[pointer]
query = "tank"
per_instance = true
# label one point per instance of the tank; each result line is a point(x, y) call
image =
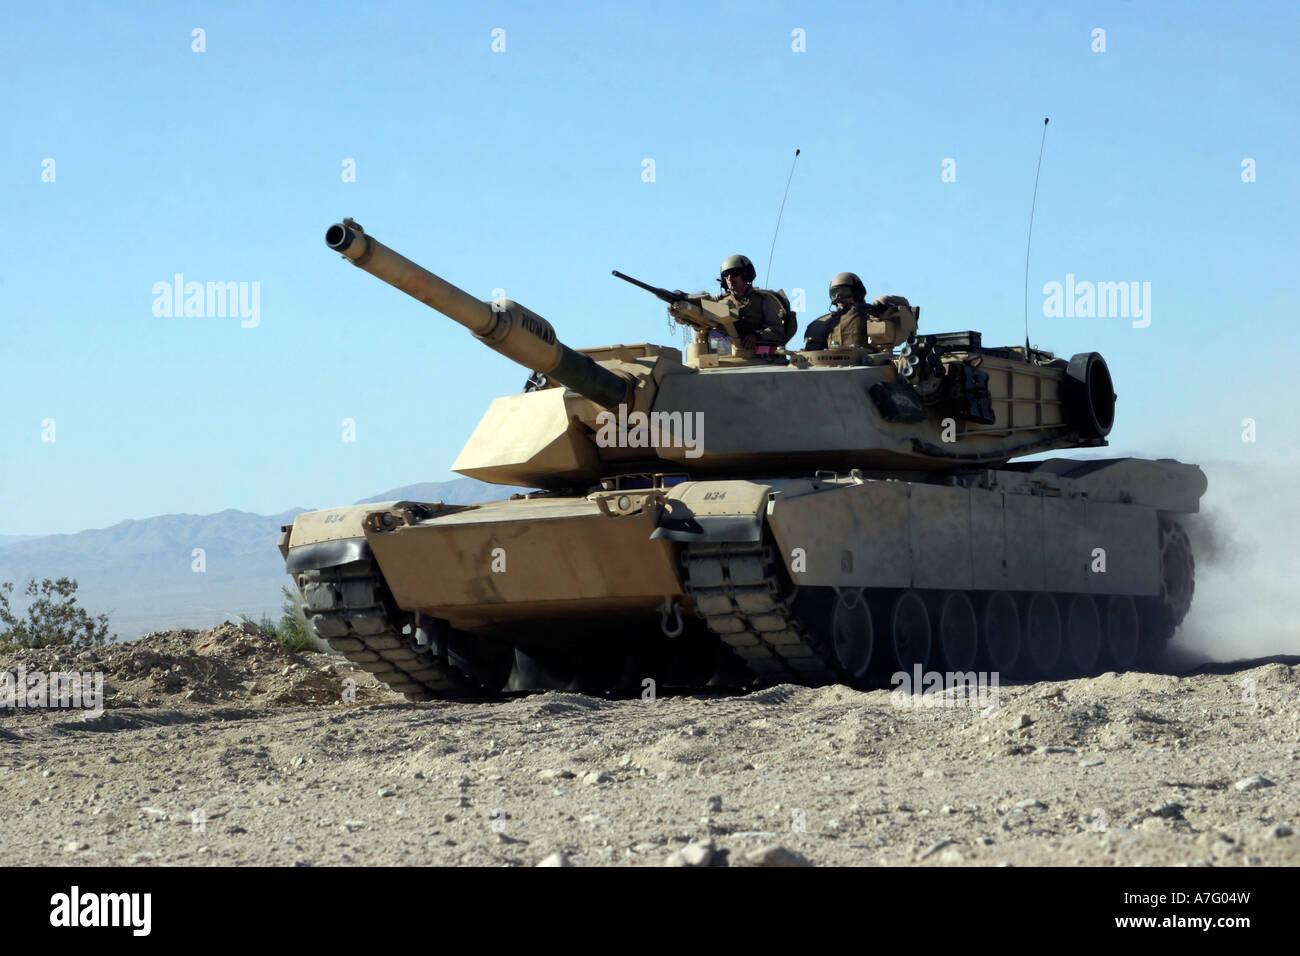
point(725, 518)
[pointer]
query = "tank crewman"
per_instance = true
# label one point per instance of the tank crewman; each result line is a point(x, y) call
point(765, 316)
point(846, 323)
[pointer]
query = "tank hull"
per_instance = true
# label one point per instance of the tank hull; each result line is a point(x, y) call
point(782, 578)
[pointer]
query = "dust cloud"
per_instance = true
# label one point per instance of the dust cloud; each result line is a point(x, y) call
point(1246, 542)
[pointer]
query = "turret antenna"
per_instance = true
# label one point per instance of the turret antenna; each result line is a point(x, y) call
point(771, 251)
point(1028, 242)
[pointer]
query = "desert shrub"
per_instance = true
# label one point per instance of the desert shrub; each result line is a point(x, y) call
point(53, 617)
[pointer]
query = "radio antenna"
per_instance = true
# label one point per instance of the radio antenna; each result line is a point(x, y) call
point(771, 251)
point(1029, 242)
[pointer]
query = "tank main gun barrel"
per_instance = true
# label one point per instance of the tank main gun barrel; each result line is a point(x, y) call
point(506, 327)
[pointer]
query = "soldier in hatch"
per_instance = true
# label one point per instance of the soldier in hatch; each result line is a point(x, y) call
point(846, 324)
point(765, 316)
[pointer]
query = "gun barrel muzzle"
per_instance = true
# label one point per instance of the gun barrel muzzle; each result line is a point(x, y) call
point(370, 254)
point(506, 327)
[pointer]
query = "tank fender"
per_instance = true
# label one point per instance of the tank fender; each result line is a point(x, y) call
point(326, 554)
point(696, 511)
point(328, 538)
point(1164, 483)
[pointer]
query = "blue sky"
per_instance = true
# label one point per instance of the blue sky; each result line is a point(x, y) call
point(523, 170)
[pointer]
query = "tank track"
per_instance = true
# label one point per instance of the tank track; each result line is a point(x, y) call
point(745, 598)
point(351, 609)
point(741, 592)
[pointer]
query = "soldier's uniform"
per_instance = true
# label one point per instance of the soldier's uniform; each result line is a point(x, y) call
point(818, 331)
point(847, 326)
point(851, 329)
point(843, 327)
point(762, 313)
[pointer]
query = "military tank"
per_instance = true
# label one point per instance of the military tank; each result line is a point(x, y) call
point(724, 518)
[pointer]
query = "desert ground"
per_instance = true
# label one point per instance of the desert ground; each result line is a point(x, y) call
point(218, 748)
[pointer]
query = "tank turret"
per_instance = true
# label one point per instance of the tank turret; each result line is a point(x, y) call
point(940, 401)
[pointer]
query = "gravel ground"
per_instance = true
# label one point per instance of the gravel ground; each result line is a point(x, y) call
point(217, 748)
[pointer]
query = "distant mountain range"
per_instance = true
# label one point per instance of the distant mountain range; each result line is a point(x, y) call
point(146, 576)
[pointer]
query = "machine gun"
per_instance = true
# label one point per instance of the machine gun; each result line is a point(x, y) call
point(697, 311)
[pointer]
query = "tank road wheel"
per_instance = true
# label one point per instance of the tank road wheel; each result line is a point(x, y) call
point(958, 632)
point(1123, 634)
point(852, 634)
point(1082, 634)
point(1000, 632)
point(909, 630)
point(1160, 616)
point(1042, 634)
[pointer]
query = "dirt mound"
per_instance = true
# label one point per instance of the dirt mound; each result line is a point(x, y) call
point(227, 663)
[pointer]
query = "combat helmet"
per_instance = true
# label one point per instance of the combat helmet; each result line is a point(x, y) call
point(748, 273)
point(851, 280)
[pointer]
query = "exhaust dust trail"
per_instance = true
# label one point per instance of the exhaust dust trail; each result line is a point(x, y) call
point(1246, 543)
